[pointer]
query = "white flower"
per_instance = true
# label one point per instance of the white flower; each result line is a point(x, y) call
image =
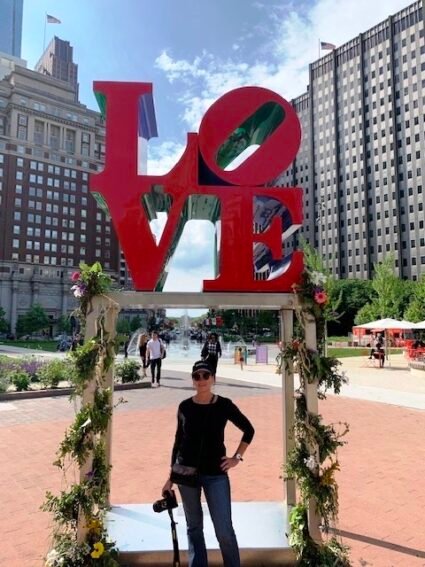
point(311, 463)
point(86, 423)
point(318, 278)
point(53, 558)
point(77, 291)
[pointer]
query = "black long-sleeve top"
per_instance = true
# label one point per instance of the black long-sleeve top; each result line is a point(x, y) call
point(199, 438)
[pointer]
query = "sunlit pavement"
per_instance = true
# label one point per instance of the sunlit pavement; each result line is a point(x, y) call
point(382, 487)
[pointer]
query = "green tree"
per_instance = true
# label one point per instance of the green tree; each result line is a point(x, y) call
point(123, 327)
point(354, 295)
point(367, 313)
point(388, 289)
point(33, 320)
point(135, 323)
point(64, 324)
point(390, 294)
point(4, 325)
point(415, 311)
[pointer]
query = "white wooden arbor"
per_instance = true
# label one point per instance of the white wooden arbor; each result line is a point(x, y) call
point(142, 536)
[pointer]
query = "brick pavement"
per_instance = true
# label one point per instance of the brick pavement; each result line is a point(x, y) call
point(382, 490)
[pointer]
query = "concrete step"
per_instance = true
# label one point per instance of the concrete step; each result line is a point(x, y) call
point(144, 537)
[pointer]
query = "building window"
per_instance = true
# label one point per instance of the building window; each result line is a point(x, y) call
point(22, 127)
point(38, 132)
point(70, 141)
point(54, 139)
point(85, 144)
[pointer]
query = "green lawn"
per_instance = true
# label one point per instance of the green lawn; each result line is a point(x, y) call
point(32, 344)
point(355, 351)
point(337, 339)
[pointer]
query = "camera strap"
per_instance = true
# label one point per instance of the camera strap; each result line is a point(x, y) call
point(176, 557)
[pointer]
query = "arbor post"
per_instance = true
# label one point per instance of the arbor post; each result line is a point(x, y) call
point(312, 402)
point(286, 332)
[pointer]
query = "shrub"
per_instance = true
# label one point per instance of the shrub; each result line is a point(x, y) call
point(128, 371)
point(20, 379)
point(55, 371)
point(33, 367)
point(4, 382)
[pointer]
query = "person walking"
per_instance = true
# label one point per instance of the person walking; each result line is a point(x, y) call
point(199, 442)
point(241, 357)
point(142, 344)
point(155, 352)
point(211, 351)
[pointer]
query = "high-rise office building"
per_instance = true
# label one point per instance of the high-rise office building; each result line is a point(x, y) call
point(57, 62)
point(49, 145)
point(362, 160)
point(11, 26)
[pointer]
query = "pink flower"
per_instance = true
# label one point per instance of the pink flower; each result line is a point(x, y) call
point(75, 276)
point(320, 297)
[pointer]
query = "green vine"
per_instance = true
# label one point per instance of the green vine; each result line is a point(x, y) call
point(81, 509)
point(309, 553)
point(91, 420)
point(313, 462)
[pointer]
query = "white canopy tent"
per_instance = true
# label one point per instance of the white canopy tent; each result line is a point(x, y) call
point(419, 326)
point(383, 325)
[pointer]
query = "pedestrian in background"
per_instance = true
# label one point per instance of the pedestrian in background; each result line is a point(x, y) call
point(143, 345)
point(155, 352)
point(241, 357)
point(211, 352)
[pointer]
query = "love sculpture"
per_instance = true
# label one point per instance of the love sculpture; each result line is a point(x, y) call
point(254, 219)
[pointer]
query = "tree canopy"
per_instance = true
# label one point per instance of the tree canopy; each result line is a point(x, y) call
point(4, 325)
point(33, 320)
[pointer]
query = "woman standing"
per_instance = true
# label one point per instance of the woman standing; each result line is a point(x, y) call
point(199, 443)
point(142, 345)
point(211, 352)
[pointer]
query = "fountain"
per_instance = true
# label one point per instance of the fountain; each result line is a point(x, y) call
point(183, 347)
point(134, 339)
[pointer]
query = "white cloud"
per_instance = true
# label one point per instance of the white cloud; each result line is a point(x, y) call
point(291, 38)
point(194, 253)
point(163, 157)
point(282, 62)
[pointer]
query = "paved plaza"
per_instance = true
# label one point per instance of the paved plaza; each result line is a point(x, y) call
point(382, 486)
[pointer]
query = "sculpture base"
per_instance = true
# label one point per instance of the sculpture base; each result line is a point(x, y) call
point(144, 537)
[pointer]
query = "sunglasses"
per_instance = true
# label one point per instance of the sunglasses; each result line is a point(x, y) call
point(201, 376)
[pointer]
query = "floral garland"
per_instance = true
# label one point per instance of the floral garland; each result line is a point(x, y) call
point(313, 461)
point(86, 501)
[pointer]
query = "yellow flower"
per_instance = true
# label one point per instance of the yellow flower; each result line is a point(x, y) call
point(94, 526)
point(327, 478)
point(98, 549)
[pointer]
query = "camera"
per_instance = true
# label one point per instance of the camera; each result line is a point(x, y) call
point(167, 503)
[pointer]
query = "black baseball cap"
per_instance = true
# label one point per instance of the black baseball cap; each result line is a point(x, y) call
point(201, 365)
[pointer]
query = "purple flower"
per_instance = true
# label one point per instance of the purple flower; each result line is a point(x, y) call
point(79, 290)
point(32, 366)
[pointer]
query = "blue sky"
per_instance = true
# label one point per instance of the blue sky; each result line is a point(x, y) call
point(193, 51)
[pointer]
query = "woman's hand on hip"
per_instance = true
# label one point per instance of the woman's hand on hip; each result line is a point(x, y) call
point(228, 463)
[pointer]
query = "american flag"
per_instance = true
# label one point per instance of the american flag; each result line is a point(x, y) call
point(52, 20)
point(325, 45)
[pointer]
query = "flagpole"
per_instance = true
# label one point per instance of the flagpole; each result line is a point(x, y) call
point(44, 36)
point(319, 48)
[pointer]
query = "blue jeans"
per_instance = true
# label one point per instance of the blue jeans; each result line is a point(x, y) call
point(217, 493)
